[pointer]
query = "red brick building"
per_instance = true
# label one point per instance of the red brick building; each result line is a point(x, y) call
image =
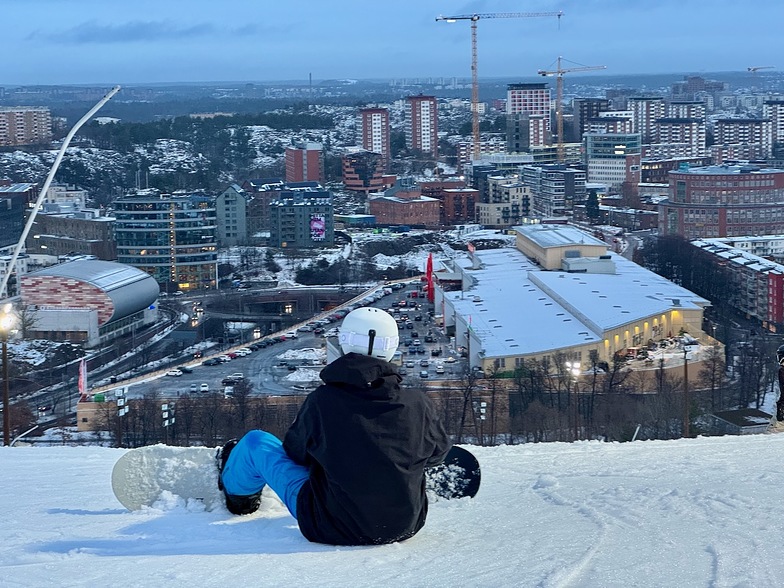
point(305, 163)
point(405, 206)
point(723, 201)
point(363, 172)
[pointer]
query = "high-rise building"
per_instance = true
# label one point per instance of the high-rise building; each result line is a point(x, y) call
point(528, 108)
point(305, 163)
point(584, 110)
point(748, 131)
point(687, 131)
point(774, 110)
point(374, 123)
point(422, 124)
point(25, 125)
point(613, 159)
point(646, 111)
point(686, 109)
point(172, 237)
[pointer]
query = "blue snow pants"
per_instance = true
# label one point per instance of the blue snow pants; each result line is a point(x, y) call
point(259, 459)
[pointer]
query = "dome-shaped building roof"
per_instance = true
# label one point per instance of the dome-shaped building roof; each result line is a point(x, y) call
point(115, 290)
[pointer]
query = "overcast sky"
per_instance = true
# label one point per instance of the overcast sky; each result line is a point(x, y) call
point(137, 41)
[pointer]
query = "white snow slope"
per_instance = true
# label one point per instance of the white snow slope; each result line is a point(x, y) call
point(700, 512)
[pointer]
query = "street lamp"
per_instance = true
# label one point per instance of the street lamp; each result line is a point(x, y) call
point(7, 322)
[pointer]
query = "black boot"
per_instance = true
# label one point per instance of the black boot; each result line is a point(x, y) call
point(238, 505)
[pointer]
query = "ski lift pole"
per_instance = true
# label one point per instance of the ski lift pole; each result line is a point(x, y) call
point(48, 181)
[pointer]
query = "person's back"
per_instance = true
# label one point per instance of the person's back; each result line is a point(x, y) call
point(366, 442)
point(351, 467)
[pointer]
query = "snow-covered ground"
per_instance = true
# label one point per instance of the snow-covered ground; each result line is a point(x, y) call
point(698, 512)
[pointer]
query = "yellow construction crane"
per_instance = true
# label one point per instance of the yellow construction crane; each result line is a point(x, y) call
point(474, 18)
point(756, 68)
point(559, 73)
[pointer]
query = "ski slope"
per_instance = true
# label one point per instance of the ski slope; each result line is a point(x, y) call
point(699, 512)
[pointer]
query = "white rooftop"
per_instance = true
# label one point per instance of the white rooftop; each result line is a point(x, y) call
point(517, 308)
point(557, 235)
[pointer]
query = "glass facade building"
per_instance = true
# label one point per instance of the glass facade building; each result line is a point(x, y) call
point(171, 237)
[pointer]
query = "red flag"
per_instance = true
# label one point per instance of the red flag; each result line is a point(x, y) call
point(431, 295)
point(83, 381)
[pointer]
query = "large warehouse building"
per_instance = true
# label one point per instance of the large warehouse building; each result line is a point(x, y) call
point(88, 301)
point(558, 293)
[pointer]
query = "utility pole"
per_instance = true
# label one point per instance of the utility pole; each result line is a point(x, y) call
point(686, 393)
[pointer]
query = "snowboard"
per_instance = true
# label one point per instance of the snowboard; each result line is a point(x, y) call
point(458, 477)
point(164, 475)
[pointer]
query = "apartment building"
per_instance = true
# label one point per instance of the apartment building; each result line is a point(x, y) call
point(25, 125)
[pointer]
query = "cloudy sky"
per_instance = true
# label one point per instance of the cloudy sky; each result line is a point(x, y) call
point(104, 41)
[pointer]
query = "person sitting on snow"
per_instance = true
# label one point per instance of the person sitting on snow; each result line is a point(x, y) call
point(351, 468)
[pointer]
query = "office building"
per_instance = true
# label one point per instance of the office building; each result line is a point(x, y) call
point(172, 237)
point(613, 159)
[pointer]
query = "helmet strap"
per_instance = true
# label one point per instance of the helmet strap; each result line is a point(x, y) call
point(371, 338)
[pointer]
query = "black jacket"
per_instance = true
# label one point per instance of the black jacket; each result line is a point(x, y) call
point(367, 443)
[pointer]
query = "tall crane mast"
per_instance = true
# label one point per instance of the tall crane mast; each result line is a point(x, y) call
point(559, 73)
point(756, 68)
point(474, 18)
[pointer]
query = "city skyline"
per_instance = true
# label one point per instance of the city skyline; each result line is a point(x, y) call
point(91, 42)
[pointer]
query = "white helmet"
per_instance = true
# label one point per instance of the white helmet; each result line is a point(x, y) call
point(369, 331)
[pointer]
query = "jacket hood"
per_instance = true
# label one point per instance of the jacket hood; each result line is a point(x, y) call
point(360, 371)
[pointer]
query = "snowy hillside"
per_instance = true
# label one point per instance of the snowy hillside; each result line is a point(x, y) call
point(701, 512)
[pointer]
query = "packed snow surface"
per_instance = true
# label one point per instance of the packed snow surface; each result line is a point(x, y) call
point(699, 512)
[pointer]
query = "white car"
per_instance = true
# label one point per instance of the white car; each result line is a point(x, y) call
point(204, 388)
point(224, 358)
point(291, 335)
point(174, 373)
point(243, 351)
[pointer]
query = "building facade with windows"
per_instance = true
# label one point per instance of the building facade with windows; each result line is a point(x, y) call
point(305, 163)
point(422, 124)
point(25, 125)
point(374, 124)
point(723, 201)
point(172, 237)
point(302, 219)
point(613, 159)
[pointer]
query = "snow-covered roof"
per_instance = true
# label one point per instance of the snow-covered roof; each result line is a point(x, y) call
point(553, 309)
point(557, 235)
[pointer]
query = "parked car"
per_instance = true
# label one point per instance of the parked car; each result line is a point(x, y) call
point(185, 369)
point(204, 388)
point(174, 373)
point(440, 369)
point(450, 360)
point(194, 387)
point(424, 363)
point(224, 358)
point(291, 335)
point(423, 374)
point(211, 361)
point(232, 355)
point(436, 352)
point(237, 376)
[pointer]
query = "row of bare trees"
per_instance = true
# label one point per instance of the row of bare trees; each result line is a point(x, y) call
point(539, 401)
